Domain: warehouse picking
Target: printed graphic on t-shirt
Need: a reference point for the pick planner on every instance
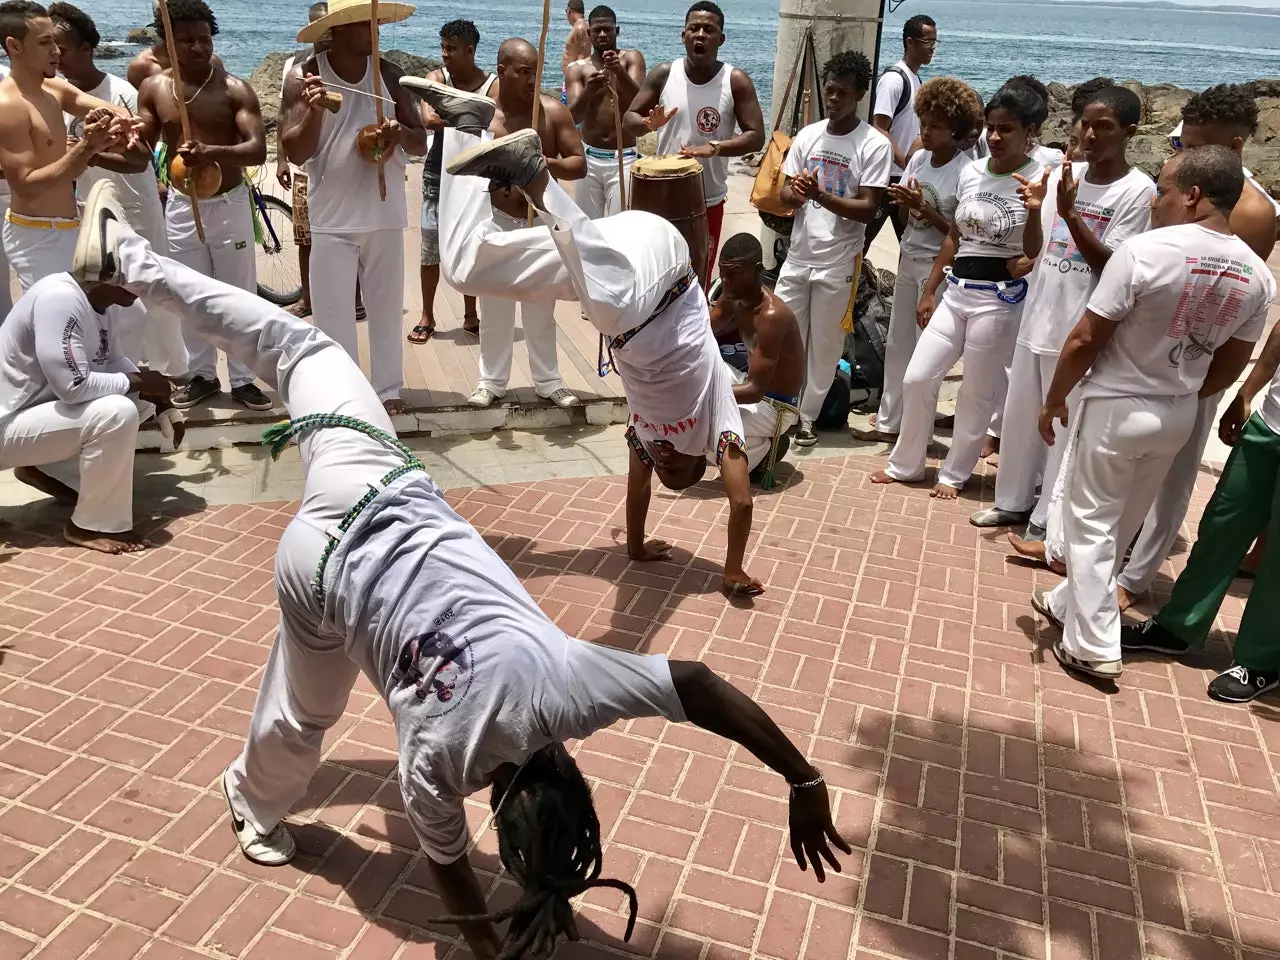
(988, 216)
(1062, 246)
(439, 667)
(708, 120)
(1211, 299)
(832, 171)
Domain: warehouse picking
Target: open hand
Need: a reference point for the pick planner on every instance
(699, 151)
(1233, 419)
(909, 195)
(1033, 191)
(812, 829)
(659, 116)
(804, 186)
(1068, 188)
(650, 551)
(1049, 413)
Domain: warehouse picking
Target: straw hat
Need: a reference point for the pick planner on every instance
(343, 12)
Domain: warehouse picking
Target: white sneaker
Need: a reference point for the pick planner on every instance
(562, 398)
(274, 850)
(482, 398)
(97, 257)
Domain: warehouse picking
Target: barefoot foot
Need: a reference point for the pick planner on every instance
(873, 436)
(944, 491)
(127, 542)
(1034, 550)
(395, 407)
(990, 445)
(1125, 599)
(881, 477)
(37, 478)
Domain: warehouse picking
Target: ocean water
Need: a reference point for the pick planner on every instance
(981, 42)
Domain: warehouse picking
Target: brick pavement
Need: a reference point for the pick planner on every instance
(998, 809)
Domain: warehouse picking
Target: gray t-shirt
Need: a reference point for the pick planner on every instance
(474, 672)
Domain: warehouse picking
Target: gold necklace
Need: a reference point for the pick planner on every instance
(174, 87)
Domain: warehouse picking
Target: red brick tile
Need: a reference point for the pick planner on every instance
(27, 911)
(784, 927)
(318, 921)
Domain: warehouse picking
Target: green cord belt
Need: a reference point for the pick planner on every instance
(278, 437)
(768, 481)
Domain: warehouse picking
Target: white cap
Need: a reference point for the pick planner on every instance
(1176, 132)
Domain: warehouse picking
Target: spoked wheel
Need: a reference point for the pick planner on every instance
(279, 276)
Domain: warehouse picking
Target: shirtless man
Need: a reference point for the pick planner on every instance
(577, 46)
(227, 135)
(40, 227)
(606, 81)
(458, 42)
(153, 60)
(562, 147)
(769, 394)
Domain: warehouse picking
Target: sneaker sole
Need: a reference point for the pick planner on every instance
(1249, 699)
(1042, 608)
(1152, 648)
(480, 150)
(806, 442)
(257, 407)
(262, 862)
(188, 404)
(421, 86)
(999, 520)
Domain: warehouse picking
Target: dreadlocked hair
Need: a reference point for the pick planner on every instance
(549, 841)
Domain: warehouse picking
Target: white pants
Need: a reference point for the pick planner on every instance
(150, 335)
(980, 327)
(597, 193)
(308, 675)
(98, 436)
(1164, 520)
(498, 334)
(904, 333)
(997, 417)
(227, 254)
(36, 252)
(377, 258)
(1118, 456)
(1025, 459)
(759, 423)
(6, 292)
(820, 300)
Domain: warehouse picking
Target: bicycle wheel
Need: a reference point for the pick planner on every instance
(279, 276)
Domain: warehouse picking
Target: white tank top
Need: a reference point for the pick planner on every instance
(705, 113)
(342, 186)
(486, 85)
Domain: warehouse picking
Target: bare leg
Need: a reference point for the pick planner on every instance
(303, 307)
(1124, 598)
(50, 486)
(944, 491)
(429, 281)
(470, 316)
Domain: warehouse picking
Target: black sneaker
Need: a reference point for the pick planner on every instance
(510, 161)
(250, 397)
(1239, 684)
(96, 258)
(1151, 637)
(807, 435)
(470, 112)
(196, 390)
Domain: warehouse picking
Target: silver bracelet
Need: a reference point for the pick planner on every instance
(816, 782)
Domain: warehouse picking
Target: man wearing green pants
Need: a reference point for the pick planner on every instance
(1246, 502)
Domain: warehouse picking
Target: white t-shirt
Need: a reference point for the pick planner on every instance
(136, 189)
(990, 214)
(55, 346)
(474, 673)
(4, 184)
(1062, 281)
(842, 165)
(1176, 295)
(922, 240)
(1047, 156)
(1269, 412)
(905, 127)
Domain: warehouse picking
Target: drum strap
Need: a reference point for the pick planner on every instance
(609, 344)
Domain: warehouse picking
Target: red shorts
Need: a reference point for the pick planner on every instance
(715, 220)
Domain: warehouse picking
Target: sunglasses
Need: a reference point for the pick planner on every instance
(927, 43)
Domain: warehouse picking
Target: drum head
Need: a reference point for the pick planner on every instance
(670, 167)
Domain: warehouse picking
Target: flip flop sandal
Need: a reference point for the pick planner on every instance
(471, 325)
(421, 333)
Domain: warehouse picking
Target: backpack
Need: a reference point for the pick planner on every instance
(861, 368)
(904, 97)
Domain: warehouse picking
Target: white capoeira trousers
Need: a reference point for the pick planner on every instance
(820, 299)
(227, 254)
(904, 334)
(1118, 455)
(6, 291)
(377, 258)
(760, 422)
(35, 252)
(498, 334)
(1164, 519)
(979, 327)
(1026, 461)
(308, 676)
(97, 438)
(597, 193)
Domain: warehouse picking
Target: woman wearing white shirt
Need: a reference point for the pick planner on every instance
(982, 304)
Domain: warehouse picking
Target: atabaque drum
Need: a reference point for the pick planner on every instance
(671, 187)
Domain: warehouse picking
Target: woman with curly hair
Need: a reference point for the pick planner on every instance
(837, 171)
(982, 264)
(949, 110)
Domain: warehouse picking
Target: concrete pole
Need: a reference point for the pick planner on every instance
(838, 25)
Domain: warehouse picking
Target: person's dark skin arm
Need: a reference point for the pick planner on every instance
(301, 115)
(910, 196)
(746, 110)
(628, 76)
(639, 493)
(1083, 345)
(252, 148)
(463, 896)
(1241, 406)
(763, 361)
(571, 162)
(412, 136)
(946, 256)
(582, 91)
(132, 159)
(862, 207)
(736, 477)
(719, 707)
(882, 123)
(1228, 362)
(1033, 192)
(643, 114)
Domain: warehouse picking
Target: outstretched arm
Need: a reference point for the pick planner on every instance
(716, 705)
(462, 895)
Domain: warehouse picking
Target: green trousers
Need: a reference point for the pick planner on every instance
(1246, 501)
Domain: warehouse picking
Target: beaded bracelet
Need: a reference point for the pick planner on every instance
(816, 782)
